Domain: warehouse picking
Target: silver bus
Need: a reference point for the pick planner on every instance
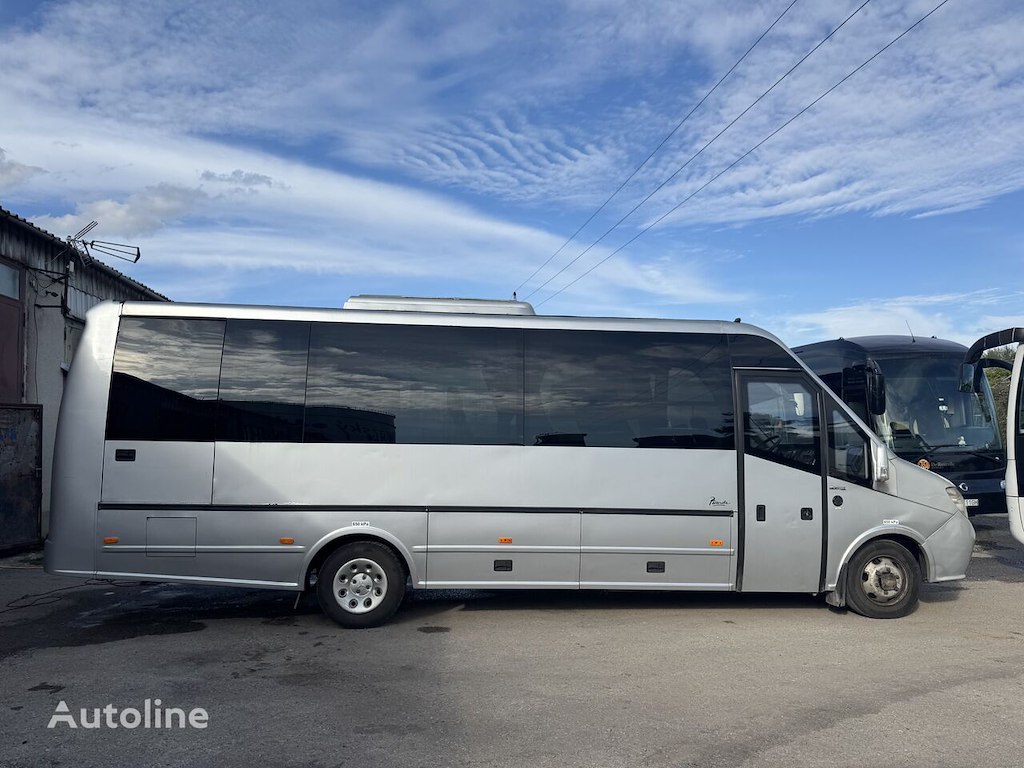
(417, 443)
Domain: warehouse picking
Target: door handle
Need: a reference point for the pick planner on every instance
(124, 454)
(760, 513)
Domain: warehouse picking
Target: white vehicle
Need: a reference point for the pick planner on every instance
(971, 381)
(473, 444)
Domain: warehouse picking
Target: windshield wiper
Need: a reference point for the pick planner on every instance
(979, 454)
(993, 459)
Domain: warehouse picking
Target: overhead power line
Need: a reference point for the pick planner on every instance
(657, 148)
(700, 151)
(747, 154)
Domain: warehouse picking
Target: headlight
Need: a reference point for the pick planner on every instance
(958, 499)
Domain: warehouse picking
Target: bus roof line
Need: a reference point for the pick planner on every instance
(993, 340)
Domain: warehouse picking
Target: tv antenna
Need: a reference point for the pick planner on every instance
(87, 248)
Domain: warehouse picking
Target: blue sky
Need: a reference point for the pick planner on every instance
(301, 152)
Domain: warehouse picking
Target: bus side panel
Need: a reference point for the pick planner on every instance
(505, 491)
(861, 509)
(475, 476)
(263, 492)
(140, 480)
(1015, 507)
(634, 551)
(245, 543)
(508, 549)
(136, 471)
(242, 545)
(72, 542)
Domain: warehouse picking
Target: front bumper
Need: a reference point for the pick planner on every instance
(949, 549)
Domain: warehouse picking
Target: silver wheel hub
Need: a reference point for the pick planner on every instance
(360, 585)
(883, 580)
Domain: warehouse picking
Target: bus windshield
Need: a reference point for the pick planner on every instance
(925, 408)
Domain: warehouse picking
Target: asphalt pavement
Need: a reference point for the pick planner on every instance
(512, 679)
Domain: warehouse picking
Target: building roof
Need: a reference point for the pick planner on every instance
(94, 264)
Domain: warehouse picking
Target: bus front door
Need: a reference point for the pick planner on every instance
(781, 481)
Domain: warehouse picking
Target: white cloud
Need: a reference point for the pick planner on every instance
(525, 116)
(1001, 322)
(508, 157)
(953, 316)
(239, 178)
(933, 124)
(12, 174)
(219, 222)
(140, 214)
(563, 99)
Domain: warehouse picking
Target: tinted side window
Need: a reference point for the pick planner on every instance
(414, 384)
(164, 383)
(628, 390)
(848, 449)
(263, 381)
(758, 352)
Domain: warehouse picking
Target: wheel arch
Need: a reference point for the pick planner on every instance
(906, 537)
(323, 549)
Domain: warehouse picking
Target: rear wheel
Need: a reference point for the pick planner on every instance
(361, 584)
(883, 580)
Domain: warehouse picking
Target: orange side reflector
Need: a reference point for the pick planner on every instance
(716, 543)
(287, 540)
(924, 464)
(111, 540)
(505, 540)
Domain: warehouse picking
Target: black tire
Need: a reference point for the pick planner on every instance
(883, 580)
(361, 584)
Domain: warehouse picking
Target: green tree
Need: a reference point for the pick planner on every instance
(999, 380)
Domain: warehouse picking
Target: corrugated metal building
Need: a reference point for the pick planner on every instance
(45, 289)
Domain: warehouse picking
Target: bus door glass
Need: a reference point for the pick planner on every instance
(782, 482)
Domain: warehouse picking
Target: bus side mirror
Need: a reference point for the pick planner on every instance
(876, 392)
(863, 388)
(881, 462)
(967, 372)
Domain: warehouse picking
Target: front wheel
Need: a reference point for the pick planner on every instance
(883, 580)
(361, 585)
